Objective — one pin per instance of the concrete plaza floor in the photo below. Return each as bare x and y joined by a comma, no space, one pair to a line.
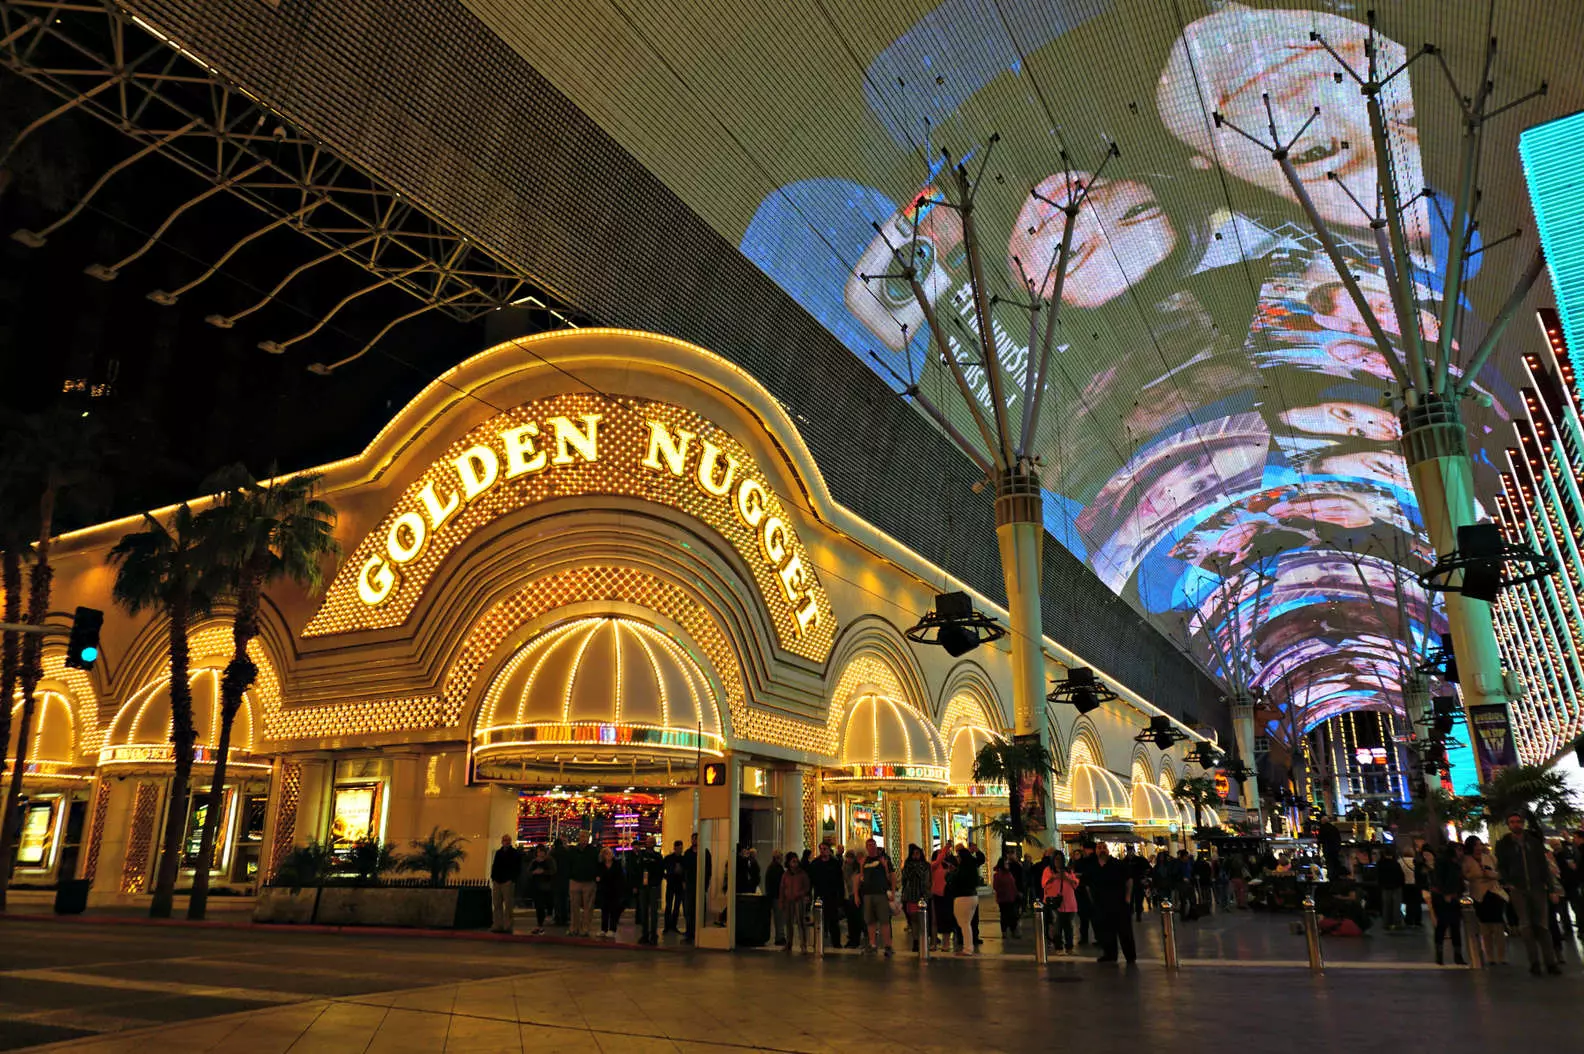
110,987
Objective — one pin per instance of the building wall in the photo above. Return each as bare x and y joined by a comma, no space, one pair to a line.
530,176
350,695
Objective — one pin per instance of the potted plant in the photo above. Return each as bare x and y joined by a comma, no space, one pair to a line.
1539,793
1015,763
439,856
369,858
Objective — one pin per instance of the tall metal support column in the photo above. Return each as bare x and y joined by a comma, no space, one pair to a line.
1243,732
1020,534
1436,446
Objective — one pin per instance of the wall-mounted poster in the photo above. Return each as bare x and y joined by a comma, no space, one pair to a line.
353,817
33,846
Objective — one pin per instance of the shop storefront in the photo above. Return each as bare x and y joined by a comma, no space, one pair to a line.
607,593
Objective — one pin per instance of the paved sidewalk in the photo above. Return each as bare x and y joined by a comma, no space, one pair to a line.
312,993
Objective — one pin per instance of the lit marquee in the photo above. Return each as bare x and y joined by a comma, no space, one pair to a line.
568,446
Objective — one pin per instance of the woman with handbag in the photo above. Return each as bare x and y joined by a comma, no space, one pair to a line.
1060,889
1490,899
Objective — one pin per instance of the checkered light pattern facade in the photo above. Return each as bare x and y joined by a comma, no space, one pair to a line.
1540,625
716,656
623,443
287,794
140,838
101,809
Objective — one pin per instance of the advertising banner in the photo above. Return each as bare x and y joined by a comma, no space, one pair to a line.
1490,733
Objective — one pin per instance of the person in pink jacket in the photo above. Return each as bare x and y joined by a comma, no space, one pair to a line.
1060,888
945,923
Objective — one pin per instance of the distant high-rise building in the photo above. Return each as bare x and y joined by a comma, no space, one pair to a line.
1540,625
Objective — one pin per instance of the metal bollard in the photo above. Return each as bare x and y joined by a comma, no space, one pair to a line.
819,928
1168,933
1311,924
1041,953
922,929
1471,934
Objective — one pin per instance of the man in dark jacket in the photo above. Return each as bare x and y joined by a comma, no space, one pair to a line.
675,885
563,890
1083,867
1571,871
582,870
1111,884
825,879
691,874
1138,869
772,888
504,869
1526,874
649,871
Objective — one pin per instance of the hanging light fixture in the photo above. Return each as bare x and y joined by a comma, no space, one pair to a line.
1161,732
1237,770
955,626
1205,753
1082,690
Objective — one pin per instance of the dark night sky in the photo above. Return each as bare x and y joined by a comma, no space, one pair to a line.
188,398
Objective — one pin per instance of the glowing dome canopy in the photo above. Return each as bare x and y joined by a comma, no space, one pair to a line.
53,742
1152,806
1208,817
1098,790
598,691
886,742
140,733
966,742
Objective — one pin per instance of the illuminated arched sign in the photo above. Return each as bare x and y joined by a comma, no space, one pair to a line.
570,446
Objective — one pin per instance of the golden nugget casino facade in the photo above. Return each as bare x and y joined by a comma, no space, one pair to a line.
577,567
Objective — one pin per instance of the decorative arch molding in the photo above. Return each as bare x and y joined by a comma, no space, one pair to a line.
1141,766
209,644
1166,775
408,679
704,414
1084,744
967,681
882,640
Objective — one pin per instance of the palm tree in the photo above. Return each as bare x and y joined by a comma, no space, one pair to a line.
274,531
1197,791
1535,791
13,545
439,855
170,568
1010,762
56,455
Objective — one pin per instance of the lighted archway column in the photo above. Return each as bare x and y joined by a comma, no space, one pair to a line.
1436,446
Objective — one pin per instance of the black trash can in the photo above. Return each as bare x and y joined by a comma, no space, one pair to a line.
71,896
753,920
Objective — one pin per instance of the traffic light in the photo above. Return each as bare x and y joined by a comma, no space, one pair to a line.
83,647
714,774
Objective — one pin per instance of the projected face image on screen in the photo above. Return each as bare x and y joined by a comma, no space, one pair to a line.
1215,398
1221,464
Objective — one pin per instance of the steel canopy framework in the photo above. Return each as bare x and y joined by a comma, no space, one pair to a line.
102,61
